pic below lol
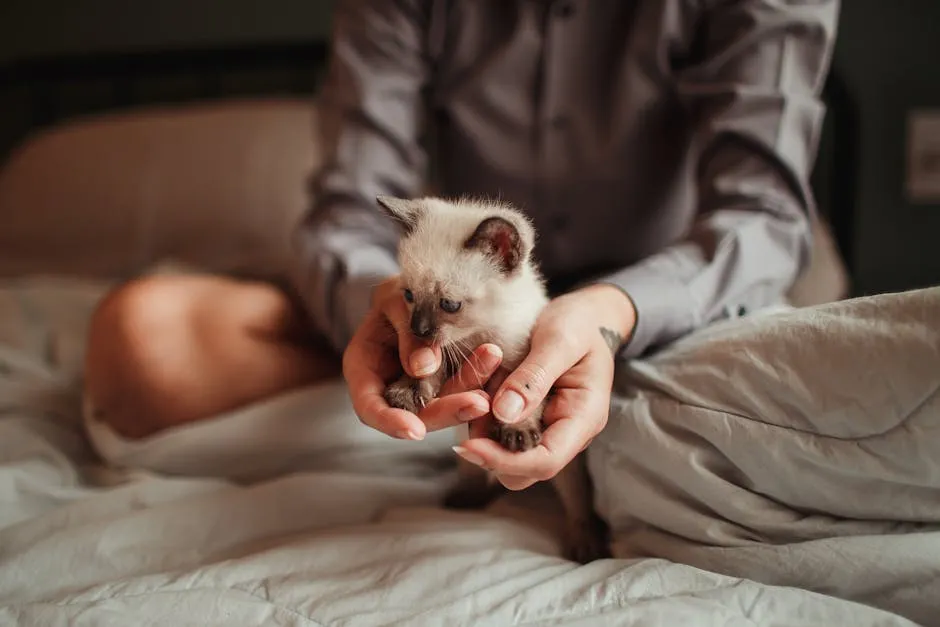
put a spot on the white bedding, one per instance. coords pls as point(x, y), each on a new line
point(292, 513)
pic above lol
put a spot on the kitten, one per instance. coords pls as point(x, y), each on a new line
point(468, 278)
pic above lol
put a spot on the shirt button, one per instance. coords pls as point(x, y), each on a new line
point(564, 10)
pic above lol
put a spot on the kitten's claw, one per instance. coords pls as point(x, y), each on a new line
point(404, 394)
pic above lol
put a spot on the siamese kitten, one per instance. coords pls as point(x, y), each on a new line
point(468, 278)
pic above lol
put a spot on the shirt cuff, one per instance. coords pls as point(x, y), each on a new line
point(663, 308)
point(336, 288)
point(364, 269)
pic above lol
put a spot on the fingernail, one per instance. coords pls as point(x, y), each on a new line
point(407, 434)
point(471, 413)
point(423, 362)
point(508, 406)
point(477, 410)
point(474, 459)
point(494, 351)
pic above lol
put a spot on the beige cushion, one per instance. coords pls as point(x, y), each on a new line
point(215, 185)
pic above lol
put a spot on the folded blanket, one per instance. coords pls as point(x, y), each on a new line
point(800, 448)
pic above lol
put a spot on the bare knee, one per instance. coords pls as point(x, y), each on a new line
point(167, 350)
point(132, 315)
point(136, 348)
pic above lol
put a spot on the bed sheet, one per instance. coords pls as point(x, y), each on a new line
point(289, 512)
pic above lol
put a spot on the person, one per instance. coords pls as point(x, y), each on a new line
point(662, 148)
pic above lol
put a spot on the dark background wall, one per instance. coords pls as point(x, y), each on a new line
point(50, 27)
point(888, 54)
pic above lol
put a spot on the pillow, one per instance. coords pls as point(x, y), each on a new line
point(217, 185)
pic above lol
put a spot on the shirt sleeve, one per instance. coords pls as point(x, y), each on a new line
point(370, 112)
point(756, 105)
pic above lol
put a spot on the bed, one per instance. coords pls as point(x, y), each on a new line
point(813, 503)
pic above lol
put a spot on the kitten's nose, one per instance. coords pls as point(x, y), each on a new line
point(422, 325)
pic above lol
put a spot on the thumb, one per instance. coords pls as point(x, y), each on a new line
point(528, 385)
point(417, 357)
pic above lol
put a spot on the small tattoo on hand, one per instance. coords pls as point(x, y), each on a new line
point(612, 338)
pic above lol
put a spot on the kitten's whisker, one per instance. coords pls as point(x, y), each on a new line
point(452, 358)
point(457, 357)
point(465, 358)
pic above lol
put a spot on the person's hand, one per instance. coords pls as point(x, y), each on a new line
point(383, 345)
point(573, 346)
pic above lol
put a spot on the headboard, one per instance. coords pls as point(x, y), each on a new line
point(38, 92)
point(41, 90)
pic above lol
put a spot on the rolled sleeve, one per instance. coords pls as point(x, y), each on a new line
point(370, 120)
point(754, 100)
point(662, 304)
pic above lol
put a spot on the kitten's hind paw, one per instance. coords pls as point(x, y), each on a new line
point(587, 540)
point(469, 497)
point(517, 438)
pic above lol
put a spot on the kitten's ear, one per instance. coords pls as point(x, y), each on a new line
point(507, 243)
point(404, 212)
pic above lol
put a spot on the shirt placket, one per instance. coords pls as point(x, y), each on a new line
point(554, 119)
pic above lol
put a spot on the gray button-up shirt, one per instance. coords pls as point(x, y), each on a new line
point(664, 146)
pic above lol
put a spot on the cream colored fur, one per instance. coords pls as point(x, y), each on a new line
point(501, 310)
point(496, 306)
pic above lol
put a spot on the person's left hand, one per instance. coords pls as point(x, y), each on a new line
point(572, 355)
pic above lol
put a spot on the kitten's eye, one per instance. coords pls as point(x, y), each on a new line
point(450, 306)
point(409, 297)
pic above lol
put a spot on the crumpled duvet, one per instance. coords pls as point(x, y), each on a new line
point(289, 512)
point(797, 448)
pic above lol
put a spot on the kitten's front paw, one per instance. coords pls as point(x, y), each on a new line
point(405, 394)
point(519, 437)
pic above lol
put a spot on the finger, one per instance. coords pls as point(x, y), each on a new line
point(481, 428)
point(536, 463)
point(528, 385)
point(454, 409)
point(371, 342)
point(418, 358)
point(560, 442)
point(366, 391)
point(476, 371)
point(510, 482)
point(515, 483)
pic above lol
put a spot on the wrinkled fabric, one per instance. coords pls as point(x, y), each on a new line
point(796, 448)
point(661, 146)
point(290, 512)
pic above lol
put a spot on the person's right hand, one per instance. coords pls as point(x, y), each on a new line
point(384, 345)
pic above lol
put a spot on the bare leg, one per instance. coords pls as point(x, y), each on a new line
point(167, 350)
